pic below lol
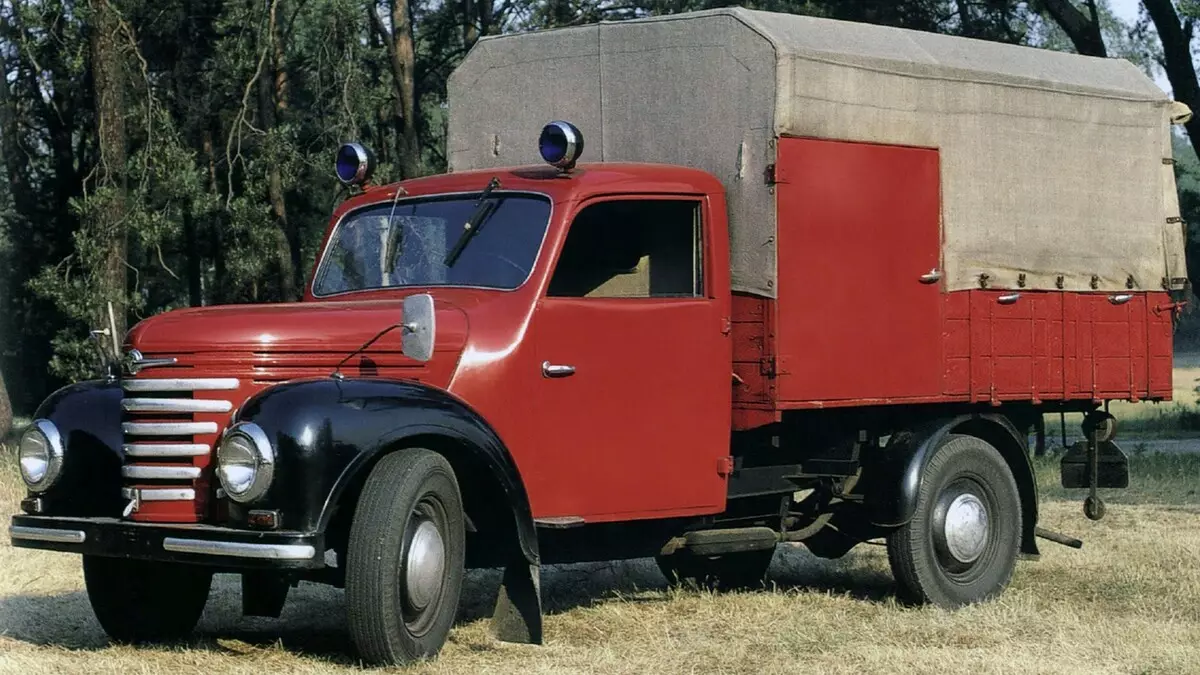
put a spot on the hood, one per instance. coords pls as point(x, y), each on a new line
point(313, 327)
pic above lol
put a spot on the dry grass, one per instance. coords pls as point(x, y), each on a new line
point(1129, 602)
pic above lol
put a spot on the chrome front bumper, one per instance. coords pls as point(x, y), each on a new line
point(201, 544)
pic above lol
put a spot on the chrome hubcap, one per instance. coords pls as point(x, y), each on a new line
point(966, 528)
point(425, 565)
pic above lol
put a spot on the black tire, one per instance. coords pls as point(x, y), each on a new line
point(145, 601)
point(933, 566)
point(747, 569)
point(390, 623)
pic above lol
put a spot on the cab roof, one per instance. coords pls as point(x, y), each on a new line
point(584, 181)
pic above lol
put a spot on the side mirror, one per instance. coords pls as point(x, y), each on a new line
point(418, 330)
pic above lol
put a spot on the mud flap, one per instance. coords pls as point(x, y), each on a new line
point(518, 614)
point(264, 593)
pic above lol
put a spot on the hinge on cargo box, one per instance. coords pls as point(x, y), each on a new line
point(769, 175)
point(766, 366)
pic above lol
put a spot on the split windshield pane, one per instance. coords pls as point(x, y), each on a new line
point(501, 255)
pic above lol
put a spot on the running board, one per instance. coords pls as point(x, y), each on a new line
point(719, 542)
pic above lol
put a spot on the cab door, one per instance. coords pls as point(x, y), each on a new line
point(634, 397)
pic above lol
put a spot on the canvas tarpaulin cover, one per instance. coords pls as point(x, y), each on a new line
point(1053, 165)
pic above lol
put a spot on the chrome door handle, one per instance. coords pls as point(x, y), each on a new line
point(552, 370)
point(930, 277)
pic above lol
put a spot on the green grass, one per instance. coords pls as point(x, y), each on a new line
point(1154, 478)
point(1163, 420)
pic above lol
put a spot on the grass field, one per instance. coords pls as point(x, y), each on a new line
point(1128, 602)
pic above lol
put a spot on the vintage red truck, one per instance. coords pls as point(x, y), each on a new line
point(814, 282)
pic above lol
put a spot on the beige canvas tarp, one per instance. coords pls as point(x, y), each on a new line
point(1052, 164)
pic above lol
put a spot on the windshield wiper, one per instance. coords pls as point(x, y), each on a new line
point(391, 251)
point(483, 209)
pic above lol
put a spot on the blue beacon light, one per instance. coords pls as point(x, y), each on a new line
point(560, 144)
point(355, 163)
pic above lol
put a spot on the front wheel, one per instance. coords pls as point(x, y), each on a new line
point(139, 601)
point(961, 544)
point(405, 560)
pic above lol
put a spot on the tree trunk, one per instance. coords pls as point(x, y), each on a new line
point(15, 158)
point(6, 413)
point(1082, 29)
point(403, 61)
point(470, 29)
point(269, 104)
point(108, 81)
point(1176, 38)
point(220, 281)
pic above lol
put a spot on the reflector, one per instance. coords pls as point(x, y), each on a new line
point(560, 144)
point(355, 163)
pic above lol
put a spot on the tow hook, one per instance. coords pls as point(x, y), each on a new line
point(135, 501)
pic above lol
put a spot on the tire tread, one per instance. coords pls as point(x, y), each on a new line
point(914, 573)
point(376, 532)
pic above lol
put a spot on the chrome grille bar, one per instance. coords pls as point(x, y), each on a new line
point(168, 428)
point(160, 494)
point(143, 472)
point(180, 405)
point(166, 449)
point(181, 384)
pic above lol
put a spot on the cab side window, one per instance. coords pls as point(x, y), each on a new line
point(632, 249)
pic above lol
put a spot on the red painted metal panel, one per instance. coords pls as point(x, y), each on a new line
point(858, 226)
point(640, 426)
point(1047, 346)
point(752, 351)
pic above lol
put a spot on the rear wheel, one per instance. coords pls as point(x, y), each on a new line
point(405, 560)
point(745, 569)
point(139, 601)
point(962, 542)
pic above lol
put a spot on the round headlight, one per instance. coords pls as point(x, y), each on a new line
point(245, 462)
point(41, 455)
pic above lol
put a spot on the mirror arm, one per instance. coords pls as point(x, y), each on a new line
point(337, 370)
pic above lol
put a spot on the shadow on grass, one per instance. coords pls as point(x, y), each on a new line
point(314, 619)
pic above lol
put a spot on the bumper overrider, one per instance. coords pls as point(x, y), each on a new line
point(196, 544)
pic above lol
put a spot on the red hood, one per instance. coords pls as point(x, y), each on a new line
point(291, 327)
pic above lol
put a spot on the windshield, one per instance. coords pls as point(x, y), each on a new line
point(501, 254)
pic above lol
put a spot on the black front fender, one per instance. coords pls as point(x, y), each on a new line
point(88, 416)
point(327, 434)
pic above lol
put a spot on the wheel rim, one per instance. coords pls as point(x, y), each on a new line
point(424, 568)
point(963, 535)
point(966, 528)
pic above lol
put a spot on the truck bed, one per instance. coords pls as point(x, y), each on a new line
point(854, 323)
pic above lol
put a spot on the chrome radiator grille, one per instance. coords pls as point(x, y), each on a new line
point(168, 437)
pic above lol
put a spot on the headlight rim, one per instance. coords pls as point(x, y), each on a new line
point(264, 474)
point(55, 460)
